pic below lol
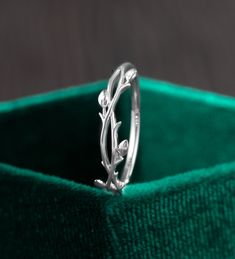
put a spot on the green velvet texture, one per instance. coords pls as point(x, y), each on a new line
point(181, 199)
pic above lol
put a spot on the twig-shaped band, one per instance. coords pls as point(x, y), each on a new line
point(124, 77)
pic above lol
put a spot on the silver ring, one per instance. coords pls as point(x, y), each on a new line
point(124, 77)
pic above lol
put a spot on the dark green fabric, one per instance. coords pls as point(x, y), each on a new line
point(181, 200)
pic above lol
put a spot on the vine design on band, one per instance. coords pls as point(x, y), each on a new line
point(120, 81)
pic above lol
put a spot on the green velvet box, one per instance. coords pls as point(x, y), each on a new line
point(181, 199)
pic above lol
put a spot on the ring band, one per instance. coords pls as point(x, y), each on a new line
point(124, 77)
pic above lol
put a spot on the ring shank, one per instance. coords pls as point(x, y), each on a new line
point(134, 130)
point(124, 77)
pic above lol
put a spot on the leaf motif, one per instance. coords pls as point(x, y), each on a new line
point(123, 148)
point(103, 99)
point(100, 183)
point(131, 74)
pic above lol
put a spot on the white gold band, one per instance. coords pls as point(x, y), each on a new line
point(124, 77)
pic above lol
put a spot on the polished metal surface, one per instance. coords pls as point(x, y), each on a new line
point(124, 77)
